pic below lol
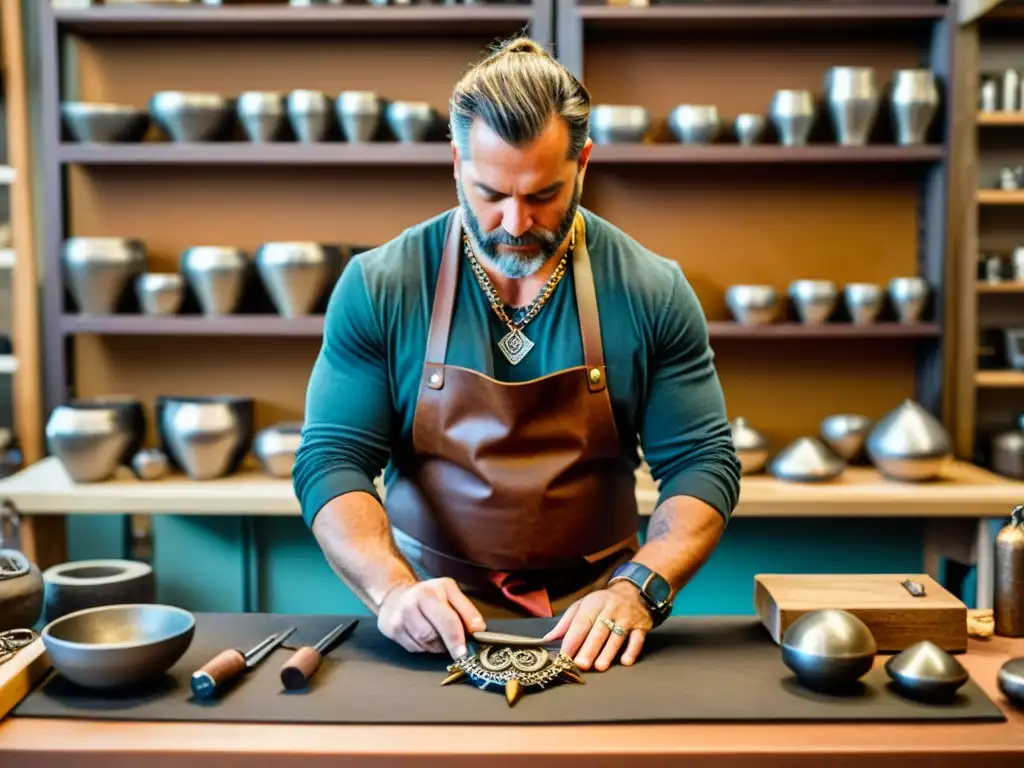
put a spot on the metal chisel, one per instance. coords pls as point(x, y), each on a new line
point(231, 663)
point(303, 664)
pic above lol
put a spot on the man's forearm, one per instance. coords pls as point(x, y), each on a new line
point(355, 536)
point(681, 535)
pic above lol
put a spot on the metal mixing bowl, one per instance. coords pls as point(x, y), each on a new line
point(829, 649)
point(909, 296)
point(118, 645)
point(262, 115)
point(191, 117)
point(276, 446)
point(863, 301)
point(752, 304)
point(610, 124)
point(411, 121)
point(104, 123)
point(846, 433)
point(359, 113)
point(814, 300)
point(695, 123)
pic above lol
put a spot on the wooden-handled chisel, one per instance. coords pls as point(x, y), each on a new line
point(303, 664)
point(231, 663)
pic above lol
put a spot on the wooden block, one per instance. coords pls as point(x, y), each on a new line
point(896, 618)
point(19, 675)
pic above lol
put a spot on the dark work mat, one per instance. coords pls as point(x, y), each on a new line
point(721, 669)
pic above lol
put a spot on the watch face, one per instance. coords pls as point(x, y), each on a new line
point(659, 590)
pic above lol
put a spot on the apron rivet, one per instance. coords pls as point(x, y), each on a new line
point(435, 378)
point(595, 376)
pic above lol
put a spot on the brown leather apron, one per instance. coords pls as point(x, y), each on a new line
point(519, 491)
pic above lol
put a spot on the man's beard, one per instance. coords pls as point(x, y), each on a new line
point(518, 265)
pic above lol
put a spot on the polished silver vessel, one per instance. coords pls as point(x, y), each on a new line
point(846, 433)
point(852, 96)
point(752, 304)
point(359, 113)
point(925, 671)
point(792, 112)
point(695, 123)
point(612, 124)
point(807, 460)
point(88, 442)
point(751, 446)
point(909, 444)
point(828, 650)
point(814, 300)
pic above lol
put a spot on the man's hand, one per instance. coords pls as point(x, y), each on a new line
point(429, 616)
point(588, 640)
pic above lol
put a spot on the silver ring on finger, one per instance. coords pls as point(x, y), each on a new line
point(610, 623)
point(618, 630)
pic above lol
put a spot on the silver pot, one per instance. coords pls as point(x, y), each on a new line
point(217, 275)
point(909, 296)
point(21, 591)
point(411, 121)
point(814, 300)
point(792, 112)
point(613, 124)
point(160, 293)
point(853, 98)
point(309, 114)
point(751, 446)
point(846, 433)
point(914, 102)
point(276, 446)
point(359, 113)
point(909, 444)
point(807, 460)
point(88, 442)
point(92, 122)
point(925, 671)
point(191, 117)
point(695, 123)
point(202, 437)
point(863, 301)
point(262, 115)
point(296, 274)
point(748, 128)
point(99, 270)
point(150, 464)
point(752, 304)
point(828, 650)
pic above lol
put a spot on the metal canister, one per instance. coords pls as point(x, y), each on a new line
point(989, 96)
point(1011, 91)
point(1009, 586)
point(1018, 264)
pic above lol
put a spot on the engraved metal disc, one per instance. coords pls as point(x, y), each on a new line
point(515, 345)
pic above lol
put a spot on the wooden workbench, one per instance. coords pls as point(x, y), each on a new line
point(35, 743)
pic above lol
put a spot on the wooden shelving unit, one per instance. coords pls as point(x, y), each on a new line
point(987, 401)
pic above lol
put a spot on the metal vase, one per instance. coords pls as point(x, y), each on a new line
point(202, 437)
point(359, 113)
point(852, 97)
point(99, 271)
point(217, 275)
point(914, 102)
point(792, 113)
point(295, 274)
point(88, 442)
point(310, 115)
point(1009, 585)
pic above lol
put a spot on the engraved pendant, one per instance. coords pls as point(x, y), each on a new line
point(513, 670)
point(515, 346)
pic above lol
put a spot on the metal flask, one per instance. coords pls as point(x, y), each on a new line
point(1009, 586)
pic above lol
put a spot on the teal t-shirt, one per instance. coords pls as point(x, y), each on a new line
point(662, 381)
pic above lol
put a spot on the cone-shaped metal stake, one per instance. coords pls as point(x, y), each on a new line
point(513, 690)
point(454, 677)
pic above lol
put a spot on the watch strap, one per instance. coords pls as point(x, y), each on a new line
point(654, 589)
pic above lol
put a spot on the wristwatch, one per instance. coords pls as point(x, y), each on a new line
point(654, 589)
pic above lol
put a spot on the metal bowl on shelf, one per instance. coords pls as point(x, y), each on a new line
point(828, 650)
point(909, 296)
point(198, 438)
point(217, 275)
point(310, 114)
point(752, 304)
point(614, 124)
point(846, 433)
point(187, 116)
point(160, 293)
point(792, 112)
point(748, 128)
point(807, 460)
point(359, 113)
point(914, 101)
point(100, 269)
point(814, 300)
point(296, 274)
point(262, 115)
point(925, 671)
point(863, 301)
point(276, 446)
point(119, 645)
point(909, 444)
point(130, 414)
point(695, 123)
point(101, 123)
point(411, 121)
point(751, 446)
point(90, 443)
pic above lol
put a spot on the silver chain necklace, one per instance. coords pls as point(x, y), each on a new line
point(516, 345)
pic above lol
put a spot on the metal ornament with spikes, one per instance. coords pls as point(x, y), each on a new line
point(513, 664)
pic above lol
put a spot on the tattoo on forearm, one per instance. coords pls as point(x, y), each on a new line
point(660, 526)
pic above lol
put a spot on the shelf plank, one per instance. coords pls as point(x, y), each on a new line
point(1001, 118)
point(738, 15)
point(999, 379)
point(730, 330)
point(440, 153)
point(282, 19)
point(313, 325)
point(966, 491)
point(1007, 286)
point(999, 197)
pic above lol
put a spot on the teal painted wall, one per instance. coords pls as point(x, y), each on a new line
point(273, 564)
